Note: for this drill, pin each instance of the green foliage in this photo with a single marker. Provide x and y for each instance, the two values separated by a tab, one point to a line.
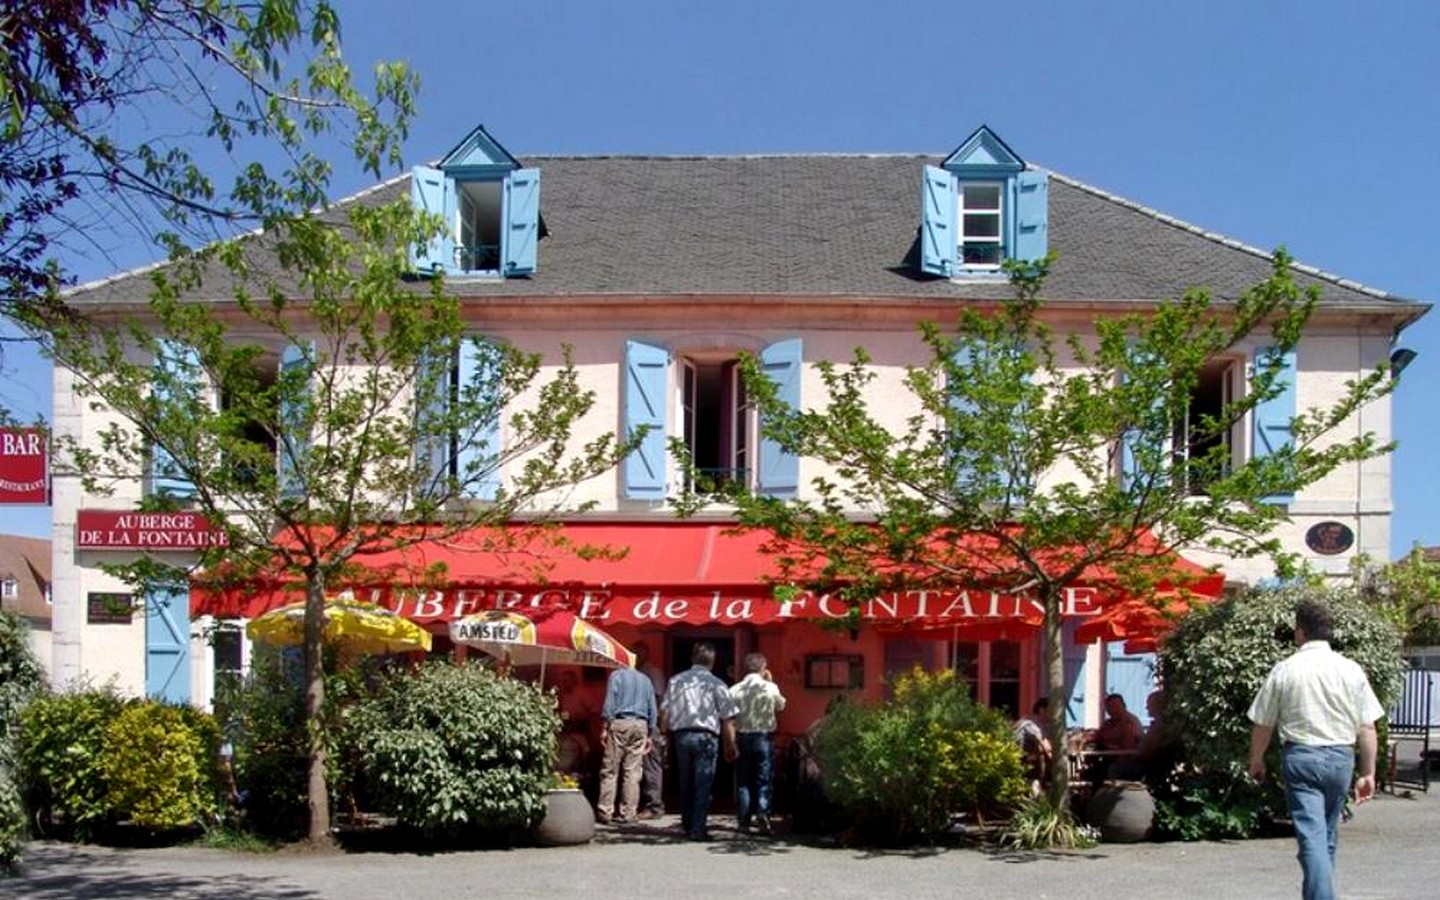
158	770
1040	824
1220	805
452	748
1212	667
62	754
902	768
1407	593
263	717
21	678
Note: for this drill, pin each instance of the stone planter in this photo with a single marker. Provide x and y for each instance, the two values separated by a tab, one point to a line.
1122	810
568	819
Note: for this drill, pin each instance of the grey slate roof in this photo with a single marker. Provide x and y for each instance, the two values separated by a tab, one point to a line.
823	226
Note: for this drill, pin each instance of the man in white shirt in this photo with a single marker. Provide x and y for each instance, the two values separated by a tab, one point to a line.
758	699
699	713
1320	702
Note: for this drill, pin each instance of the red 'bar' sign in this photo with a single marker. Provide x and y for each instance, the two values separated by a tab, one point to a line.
24	466
109	529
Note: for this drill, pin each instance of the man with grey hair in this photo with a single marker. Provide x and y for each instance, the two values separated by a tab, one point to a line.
758	699
699	712
1321	702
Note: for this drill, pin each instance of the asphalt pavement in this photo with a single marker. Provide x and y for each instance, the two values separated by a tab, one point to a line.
1388	850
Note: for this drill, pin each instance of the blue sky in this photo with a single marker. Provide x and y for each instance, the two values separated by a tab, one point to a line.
1310	124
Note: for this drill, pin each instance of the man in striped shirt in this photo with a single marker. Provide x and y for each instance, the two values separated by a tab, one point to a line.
1321	703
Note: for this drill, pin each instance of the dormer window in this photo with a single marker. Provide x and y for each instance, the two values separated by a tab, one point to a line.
980	208
490	207
980	215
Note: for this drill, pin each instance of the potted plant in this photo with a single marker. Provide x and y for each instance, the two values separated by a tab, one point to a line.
568	817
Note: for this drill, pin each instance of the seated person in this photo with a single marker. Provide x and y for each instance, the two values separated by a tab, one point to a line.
1120	733
1121	729
1035	748
1154	756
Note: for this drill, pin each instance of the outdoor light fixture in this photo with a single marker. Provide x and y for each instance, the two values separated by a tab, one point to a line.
1401	358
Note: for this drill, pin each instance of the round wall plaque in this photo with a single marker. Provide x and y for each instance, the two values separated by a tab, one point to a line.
1329	538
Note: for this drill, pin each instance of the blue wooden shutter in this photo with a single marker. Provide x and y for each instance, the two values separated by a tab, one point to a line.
295	417
177	374
477	453
647	370
436	451
167	644
522	221
1032	215
962	471
779	471
1131	442
432	192
1273	417
938	236
1076	662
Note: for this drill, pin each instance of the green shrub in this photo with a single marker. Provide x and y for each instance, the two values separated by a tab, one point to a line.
21	678
1213	665
450	749
263	718
62	749
157	768
1040	825
900	769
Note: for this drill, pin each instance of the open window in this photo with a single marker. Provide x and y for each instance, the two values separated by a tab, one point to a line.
1202	450
489	212
712	413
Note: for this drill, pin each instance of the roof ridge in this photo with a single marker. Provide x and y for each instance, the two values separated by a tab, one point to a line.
690	157
1218	238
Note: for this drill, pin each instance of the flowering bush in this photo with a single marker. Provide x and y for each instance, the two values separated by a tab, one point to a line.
902	768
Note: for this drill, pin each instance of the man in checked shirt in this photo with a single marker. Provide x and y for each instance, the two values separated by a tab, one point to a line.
1321	702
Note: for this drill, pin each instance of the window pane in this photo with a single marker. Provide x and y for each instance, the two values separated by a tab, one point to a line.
978	225
982	196
981	254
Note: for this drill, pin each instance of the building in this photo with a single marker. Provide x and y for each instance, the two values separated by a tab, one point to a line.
660	271
25	587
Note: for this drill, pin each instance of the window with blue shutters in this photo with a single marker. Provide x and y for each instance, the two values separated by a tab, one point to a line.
981	207
488	207
714	418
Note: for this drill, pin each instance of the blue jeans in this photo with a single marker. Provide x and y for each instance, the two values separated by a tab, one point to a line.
1316	782
696	753
753	773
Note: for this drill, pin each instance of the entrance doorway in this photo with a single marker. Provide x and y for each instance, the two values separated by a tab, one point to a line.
679	650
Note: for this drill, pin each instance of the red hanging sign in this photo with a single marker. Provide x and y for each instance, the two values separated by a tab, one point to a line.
108	529
24	467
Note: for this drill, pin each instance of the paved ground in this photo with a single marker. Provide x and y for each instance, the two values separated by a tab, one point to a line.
1387	851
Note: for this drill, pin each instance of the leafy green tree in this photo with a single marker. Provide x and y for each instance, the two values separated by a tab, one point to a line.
353	443
1407	593
121	120
21	678
1017	443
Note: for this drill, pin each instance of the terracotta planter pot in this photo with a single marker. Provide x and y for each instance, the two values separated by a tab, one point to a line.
568	819
1122	810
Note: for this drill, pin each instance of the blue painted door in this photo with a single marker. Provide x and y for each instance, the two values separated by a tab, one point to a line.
167	644
1131	675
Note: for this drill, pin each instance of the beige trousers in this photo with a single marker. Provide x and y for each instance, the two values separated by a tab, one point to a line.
623	759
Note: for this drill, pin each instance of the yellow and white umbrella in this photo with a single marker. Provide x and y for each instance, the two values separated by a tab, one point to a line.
540	637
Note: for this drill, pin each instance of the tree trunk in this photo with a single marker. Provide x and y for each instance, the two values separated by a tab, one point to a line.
317	792
1055	675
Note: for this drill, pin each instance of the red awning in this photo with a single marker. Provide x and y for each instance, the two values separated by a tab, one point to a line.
674	573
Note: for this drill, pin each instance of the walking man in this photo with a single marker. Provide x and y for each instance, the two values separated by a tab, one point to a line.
700	713
1321	702
758	699
625	724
